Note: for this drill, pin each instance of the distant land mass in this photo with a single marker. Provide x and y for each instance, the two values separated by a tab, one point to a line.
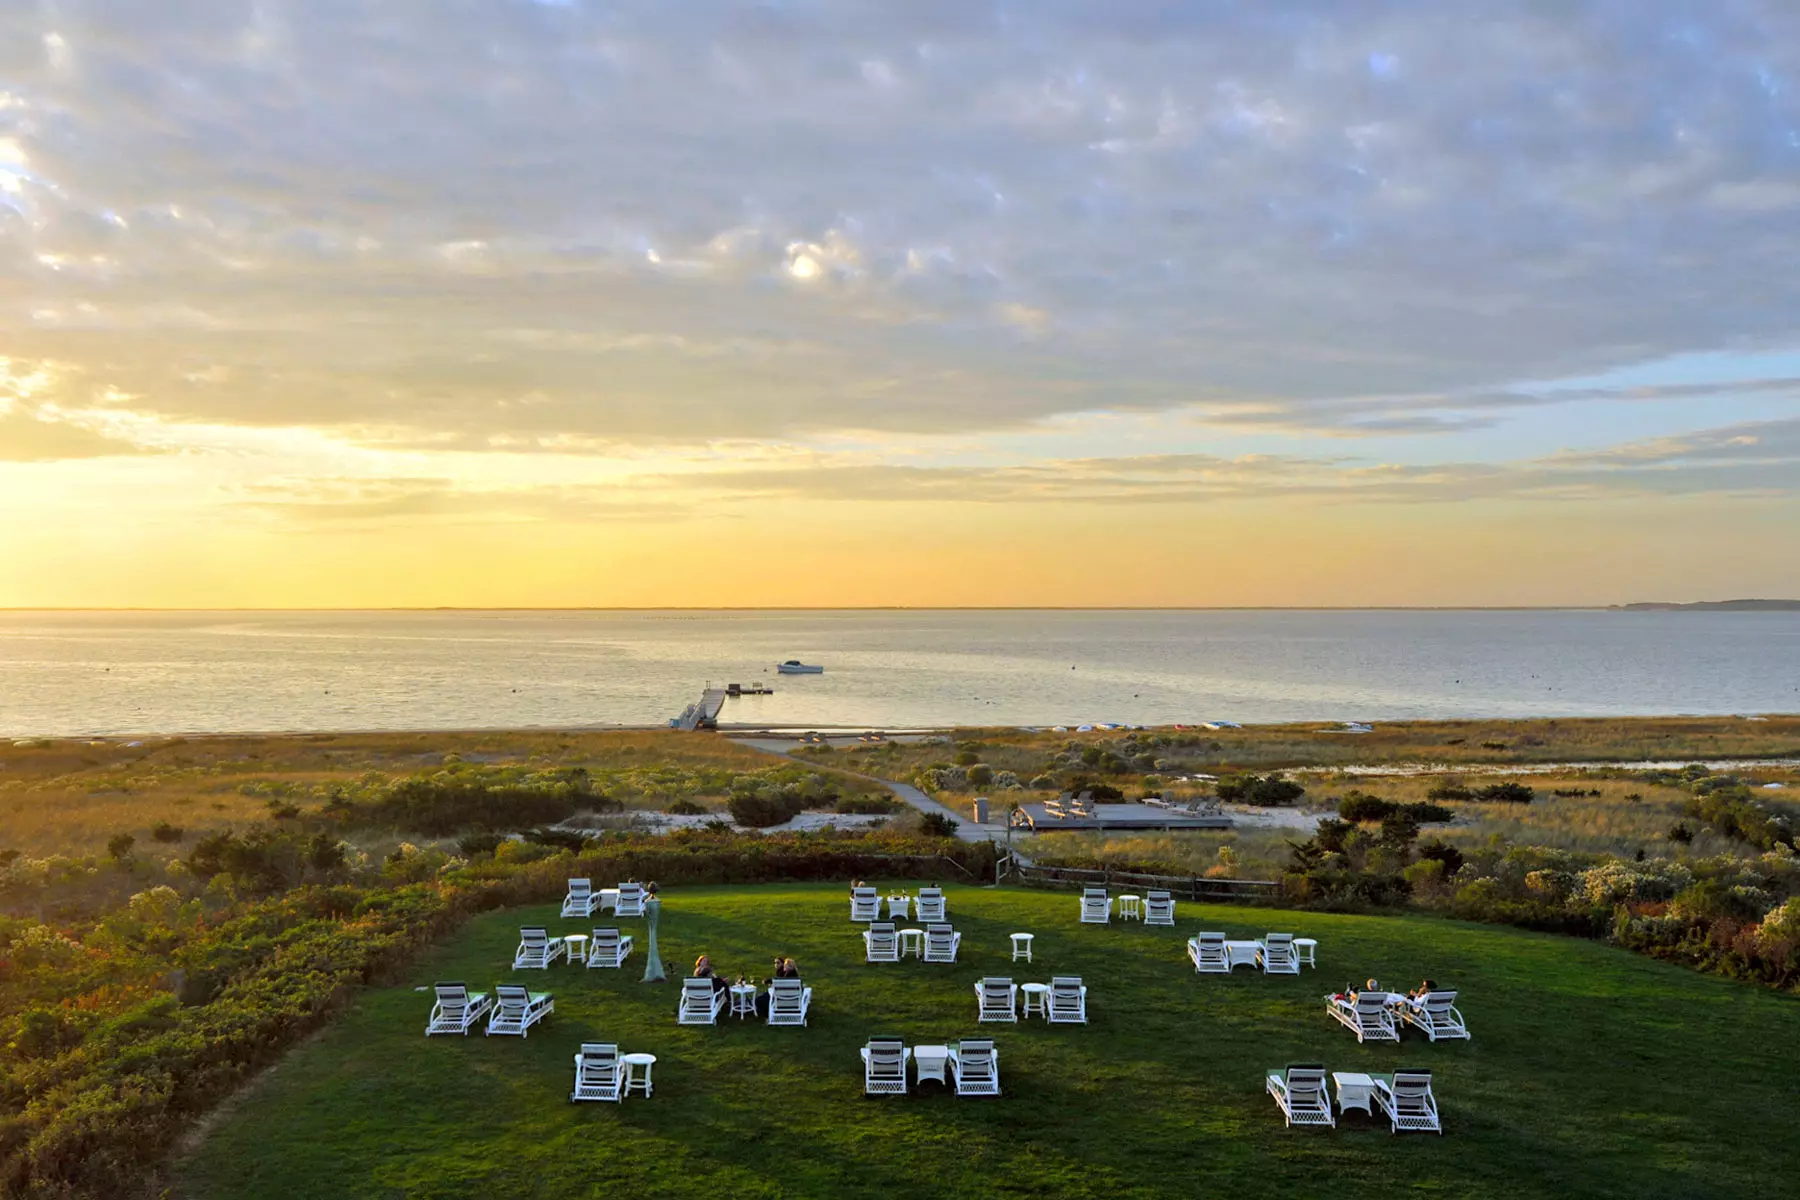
1717	606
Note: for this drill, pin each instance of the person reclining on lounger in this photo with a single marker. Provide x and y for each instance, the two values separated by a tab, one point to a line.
1419	993
703	969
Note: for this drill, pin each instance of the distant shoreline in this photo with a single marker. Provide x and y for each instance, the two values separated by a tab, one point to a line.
1636	606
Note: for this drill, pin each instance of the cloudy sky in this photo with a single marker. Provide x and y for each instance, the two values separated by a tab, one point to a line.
473	302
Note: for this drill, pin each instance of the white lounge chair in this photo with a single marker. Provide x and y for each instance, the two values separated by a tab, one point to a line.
865	904
537	950
517	1010
998	1000
1096	906
884	1067
789	1001
1209	954
1068	1001
457	1009
631	900
598	1074
1159	909
1406	1100
1300	1091
941	942
882	943
928	905
1369	1016
1276	955
975	1066
581	899
608	948
700	1002
1436	1014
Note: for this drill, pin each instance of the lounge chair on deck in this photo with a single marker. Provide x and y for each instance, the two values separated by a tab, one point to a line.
631	900
1436	1014
884	1067
1068	1001
1159	909
928	905
457	1009
608	948
1300	1092
700	1002
881	943
998	1000
941	942
598	1075
1368	1016
517	1010
789	1000
581	899
1209	954
865	904
975	1066
537	950
1276	954
1096	906
1405	1099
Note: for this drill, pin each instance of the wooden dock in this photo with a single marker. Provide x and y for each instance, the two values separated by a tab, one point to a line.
704	714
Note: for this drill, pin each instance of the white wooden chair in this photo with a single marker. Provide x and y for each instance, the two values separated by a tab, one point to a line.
608	948
700	1002
1300	1092
789	1001
1435	1013
1369	1016
598	1075
1068	1001
941	942
457	1009
1096	906
537	950
865	904
581	899
928	905
975	1066
1209	954
884	1067
998	1000
1159	909
881	942
631	900
1405	1099
517	1010
1276	954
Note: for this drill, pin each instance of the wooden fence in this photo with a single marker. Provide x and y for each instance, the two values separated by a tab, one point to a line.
1193	887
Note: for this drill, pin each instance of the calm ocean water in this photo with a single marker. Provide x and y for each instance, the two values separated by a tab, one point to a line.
109	673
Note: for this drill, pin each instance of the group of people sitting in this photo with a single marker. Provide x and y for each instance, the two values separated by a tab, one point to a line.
1349	992
784	969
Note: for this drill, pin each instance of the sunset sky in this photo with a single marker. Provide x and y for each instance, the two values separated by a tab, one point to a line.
504	302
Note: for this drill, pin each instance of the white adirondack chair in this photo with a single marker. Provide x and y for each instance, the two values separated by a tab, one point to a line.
1277	955
1068	1001
1096	906
581	899
789	1001
881	942
998	1000
457	1009
975	1066
598	1075
537	950
884	1067
865	904
941	942
517	1010
1300	1091
700	1002
1209	954
928	905
1405	1098
1436	1014
1368	1016
608	948
1159	909
631	900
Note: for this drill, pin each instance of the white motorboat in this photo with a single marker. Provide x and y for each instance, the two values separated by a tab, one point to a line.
794	666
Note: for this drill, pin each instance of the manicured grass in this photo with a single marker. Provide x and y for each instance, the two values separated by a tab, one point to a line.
1592	1072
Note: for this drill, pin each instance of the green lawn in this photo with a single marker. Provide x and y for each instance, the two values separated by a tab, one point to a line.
1592	1072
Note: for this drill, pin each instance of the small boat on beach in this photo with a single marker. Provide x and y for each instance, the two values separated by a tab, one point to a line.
794	666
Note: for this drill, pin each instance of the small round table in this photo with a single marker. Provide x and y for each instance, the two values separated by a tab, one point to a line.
743	1000
898	907
1306	951
912	941
1353	1090
575	945
929	1062
637	1071
1039	991
1131	907
1021	944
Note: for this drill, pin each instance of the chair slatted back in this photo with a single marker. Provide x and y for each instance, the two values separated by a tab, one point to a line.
940	942
785	996
604	942
1065	993
581	887
512	1000
887	1059
975	1059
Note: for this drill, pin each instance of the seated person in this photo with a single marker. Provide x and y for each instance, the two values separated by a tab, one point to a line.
1422	991
785	969
703	969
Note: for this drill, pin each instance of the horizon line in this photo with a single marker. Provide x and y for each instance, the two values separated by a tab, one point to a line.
729	608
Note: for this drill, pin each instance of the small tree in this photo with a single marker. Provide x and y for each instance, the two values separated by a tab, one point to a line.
118	847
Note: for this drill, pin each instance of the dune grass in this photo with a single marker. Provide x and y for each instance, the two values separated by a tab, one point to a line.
1592	1072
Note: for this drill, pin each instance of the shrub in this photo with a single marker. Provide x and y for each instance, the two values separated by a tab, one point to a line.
685	808
118	847
759	811
1443	852
162	831
1271	791
981	775
1360	806
1505	793
967	758
937	825
1449	791
473	845
871	805
1042	783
